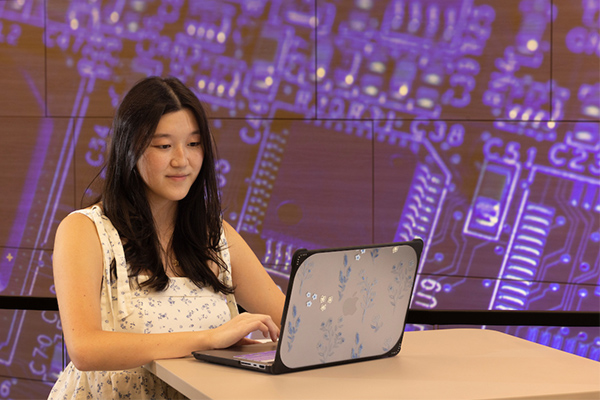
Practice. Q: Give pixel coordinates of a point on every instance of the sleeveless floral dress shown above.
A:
(181, 307)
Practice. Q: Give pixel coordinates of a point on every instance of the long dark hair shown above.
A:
(198, 224)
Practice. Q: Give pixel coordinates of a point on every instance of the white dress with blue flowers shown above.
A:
(181, 307)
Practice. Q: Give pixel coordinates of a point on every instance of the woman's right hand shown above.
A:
(234, 331)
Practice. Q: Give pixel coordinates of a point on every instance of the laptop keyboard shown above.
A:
(264, 356)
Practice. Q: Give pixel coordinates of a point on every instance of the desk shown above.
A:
(438, 364)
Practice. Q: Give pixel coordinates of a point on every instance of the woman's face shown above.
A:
(172, 162)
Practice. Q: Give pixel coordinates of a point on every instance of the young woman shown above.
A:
(150, 271)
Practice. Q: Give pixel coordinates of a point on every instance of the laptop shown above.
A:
(343, 305)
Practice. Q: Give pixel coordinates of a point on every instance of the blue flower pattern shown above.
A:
(376, 323)
(305, 274)
(292, 328)
(357, 349)
(367, 291)
(400, 287)
(344, 277)
(332, 338)
(181, 307)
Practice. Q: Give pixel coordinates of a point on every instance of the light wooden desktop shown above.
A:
(438, 364)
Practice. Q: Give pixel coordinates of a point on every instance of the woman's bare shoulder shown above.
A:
(77, 225)
(77, 245)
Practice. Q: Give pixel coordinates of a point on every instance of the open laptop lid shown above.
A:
(346, 304)
(342, 305)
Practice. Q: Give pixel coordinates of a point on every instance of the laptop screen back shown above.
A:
(347, 304)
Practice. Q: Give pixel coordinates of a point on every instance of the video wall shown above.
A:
(473, 124)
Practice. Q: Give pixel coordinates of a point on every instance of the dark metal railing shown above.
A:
(426, 317)
(28, 303)
(503, 318)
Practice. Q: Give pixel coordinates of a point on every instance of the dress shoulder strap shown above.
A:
(112, 248)
(225, 275)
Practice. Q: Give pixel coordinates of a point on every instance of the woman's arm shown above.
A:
(254, 288)
(78, 270)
